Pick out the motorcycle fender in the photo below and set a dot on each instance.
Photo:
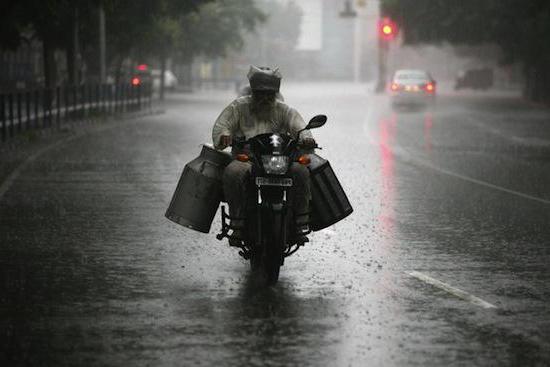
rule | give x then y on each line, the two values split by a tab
276	207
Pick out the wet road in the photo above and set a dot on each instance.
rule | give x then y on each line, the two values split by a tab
444	261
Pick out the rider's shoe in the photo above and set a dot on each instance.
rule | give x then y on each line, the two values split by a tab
302	229
301	240
236	238
300	234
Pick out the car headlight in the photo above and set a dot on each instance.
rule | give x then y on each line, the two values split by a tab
275	164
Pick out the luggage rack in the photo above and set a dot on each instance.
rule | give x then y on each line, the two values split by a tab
226	227
239	242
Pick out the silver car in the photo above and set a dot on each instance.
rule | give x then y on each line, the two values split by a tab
412	87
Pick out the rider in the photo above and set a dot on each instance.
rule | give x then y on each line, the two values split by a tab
260	113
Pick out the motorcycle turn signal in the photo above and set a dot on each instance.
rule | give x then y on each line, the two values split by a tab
243	157
304	160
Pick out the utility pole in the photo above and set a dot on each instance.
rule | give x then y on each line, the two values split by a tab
382	65
361	21
357	46
387	31
350	13
102	52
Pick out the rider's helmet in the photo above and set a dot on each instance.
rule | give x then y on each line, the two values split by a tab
264	79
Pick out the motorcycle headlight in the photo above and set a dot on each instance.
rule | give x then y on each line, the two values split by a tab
275	164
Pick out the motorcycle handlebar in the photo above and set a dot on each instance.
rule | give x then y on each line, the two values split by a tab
241	143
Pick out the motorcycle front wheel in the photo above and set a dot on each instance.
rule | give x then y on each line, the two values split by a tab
269	258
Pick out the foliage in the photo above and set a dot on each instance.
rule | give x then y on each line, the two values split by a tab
216	28
11	30
135	29
135	25
521	28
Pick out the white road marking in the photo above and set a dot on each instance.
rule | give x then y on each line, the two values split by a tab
480	182
407	157
530	141
15	174
451	290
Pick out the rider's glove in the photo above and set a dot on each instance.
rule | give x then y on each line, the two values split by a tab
225	141
308	143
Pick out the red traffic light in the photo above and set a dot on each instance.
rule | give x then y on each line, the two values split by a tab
387	29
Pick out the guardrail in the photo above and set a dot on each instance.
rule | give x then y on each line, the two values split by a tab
45	108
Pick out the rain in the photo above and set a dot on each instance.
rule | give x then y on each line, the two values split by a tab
426	242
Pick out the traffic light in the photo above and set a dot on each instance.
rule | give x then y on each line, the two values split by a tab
387	29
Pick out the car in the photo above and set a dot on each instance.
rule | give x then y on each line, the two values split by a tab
410	87
475	79
170	80
140	76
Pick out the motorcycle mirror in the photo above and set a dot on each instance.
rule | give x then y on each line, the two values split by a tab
316	121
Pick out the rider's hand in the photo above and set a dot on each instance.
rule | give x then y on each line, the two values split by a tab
225	141
308	143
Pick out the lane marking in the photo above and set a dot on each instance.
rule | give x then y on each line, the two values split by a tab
407	157
479	182
529	141
16	172
451	290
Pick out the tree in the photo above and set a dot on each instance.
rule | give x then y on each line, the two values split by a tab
135	28
216	28
165	33
520	28
43	20
11	29
52	22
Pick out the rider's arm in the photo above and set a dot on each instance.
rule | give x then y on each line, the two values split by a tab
297	123
224	126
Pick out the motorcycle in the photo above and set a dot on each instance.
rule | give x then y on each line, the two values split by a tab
266	238
268	234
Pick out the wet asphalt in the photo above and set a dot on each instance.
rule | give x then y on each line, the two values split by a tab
445	260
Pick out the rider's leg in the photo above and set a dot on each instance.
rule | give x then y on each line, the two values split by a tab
235	182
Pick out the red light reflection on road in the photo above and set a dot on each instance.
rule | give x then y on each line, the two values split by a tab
428	124
387	138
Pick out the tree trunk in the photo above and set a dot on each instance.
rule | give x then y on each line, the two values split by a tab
50	73
537	81
50	70
118	70
72	51
162	72
71	64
